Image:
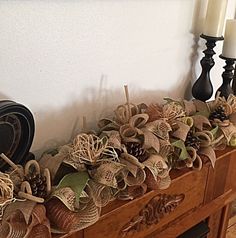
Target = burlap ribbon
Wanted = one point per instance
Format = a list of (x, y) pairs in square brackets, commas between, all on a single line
[(100, 193), (201, 106), (25, 220), (114, 138), (75, 216), (228, 131), (181, 130), (201, 122), (107, 173), (132, 173), (160, 128), (157, 172), (108, 125), (189, 107)]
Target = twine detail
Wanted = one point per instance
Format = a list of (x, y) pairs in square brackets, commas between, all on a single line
[(6, 192), (90, 149)]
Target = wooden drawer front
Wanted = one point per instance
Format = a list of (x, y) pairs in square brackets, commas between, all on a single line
[(222, 178), (155, 209), (231, 176)]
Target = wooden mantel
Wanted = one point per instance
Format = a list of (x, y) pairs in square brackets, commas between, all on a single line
[(192, 197)]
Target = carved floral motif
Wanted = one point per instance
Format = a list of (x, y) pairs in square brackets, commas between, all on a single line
[(158, 207)]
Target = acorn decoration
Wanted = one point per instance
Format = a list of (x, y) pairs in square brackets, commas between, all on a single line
[(192, 140), (218, 113), (135, 149)]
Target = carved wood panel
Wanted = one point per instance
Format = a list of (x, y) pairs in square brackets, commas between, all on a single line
[(158, 207)]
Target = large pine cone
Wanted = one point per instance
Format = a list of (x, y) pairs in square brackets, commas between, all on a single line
[(218, 113), (137, 151)]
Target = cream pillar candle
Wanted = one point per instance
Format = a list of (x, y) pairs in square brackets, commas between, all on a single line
[(215, 18), (199, 16), (229, 46)]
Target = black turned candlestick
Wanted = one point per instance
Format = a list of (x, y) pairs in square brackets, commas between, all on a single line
[(225, 88), (234, 82), (202, 88)]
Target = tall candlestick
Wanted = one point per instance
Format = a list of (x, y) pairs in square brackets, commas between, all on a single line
[(215, 18), (229, 46), (202, 88)]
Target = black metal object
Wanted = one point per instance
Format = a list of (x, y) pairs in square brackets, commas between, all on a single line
[(16, 132), (199, 231), (202, 88), (225, 89)]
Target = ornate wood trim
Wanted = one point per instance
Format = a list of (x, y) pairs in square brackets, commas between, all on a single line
[(158, 207)]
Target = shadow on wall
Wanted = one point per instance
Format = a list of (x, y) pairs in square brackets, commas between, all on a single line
[(4, 97), (199, 14), (58, 127)]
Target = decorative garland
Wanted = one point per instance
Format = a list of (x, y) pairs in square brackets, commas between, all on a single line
[(130, 153)]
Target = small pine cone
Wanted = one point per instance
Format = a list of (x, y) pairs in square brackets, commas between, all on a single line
[(192, 140), (137, 151), (38, 184), (218, 113)]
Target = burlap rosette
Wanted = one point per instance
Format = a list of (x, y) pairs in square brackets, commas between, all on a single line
[(133, 172), (169, 112), (160, 128), (180, 130), (188, 154), (100, 193), (107, 174), (226, 134), (67, 214), (25, 220), (157, 172)]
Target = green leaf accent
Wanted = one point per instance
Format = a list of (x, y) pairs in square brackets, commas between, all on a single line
[(76, 181), (214, 131), (184, 153), (232, 141)]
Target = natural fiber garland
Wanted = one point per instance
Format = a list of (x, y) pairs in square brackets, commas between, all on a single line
[(131, 152)]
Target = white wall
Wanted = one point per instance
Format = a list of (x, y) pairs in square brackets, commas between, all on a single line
[(65, 59)]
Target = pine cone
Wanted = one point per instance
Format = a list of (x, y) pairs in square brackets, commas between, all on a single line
[(38, 184), (192, 140), (218, 113), (137, 151)]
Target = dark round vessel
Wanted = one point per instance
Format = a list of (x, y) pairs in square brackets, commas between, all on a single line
[(16, 132)]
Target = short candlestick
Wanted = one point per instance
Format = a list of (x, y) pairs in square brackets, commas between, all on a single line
[(202, 88), (225, 89)]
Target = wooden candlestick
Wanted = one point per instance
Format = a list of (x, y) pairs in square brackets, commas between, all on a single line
[(225, 89), (202, 88)]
